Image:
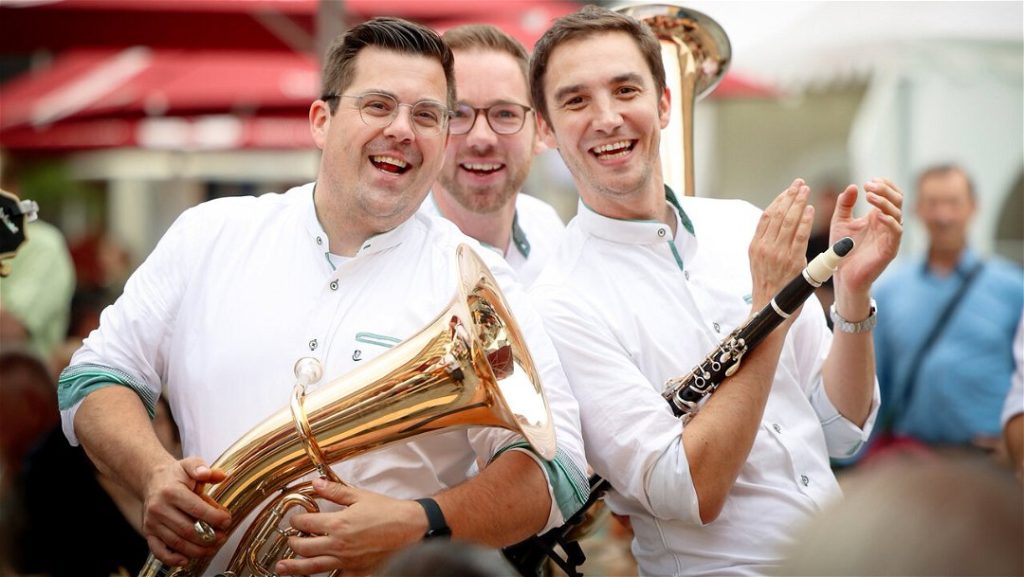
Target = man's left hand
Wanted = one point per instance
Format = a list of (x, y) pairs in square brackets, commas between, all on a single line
[(876, 234), (357, 538)]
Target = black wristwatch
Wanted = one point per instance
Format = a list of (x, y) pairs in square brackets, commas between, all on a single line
[(437, 526)]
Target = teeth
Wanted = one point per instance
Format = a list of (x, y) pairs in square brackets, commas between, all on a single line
[(389, 160), (481, 167), (615, 146)]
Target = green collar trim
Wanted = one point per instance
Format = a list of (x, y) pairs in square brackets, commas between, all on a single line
[(519, 237), (671, 198)]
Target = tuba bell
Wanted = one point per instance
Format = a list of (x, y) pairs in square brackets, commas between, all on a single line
[(469, 367), (696, 53)]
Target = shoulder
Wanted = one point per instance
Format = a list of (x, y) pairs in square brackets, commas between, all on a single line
[(719, 214), (1005, 269), (567, 271), (1004, 280), (248, 213), (442, 238), (536, 208), (248, 206), (897, 279), (429, 206), (719, 206), (43, 240)]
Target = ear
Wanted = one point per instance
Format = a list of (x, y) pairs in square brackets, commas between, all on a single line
[(537, 144), (546, 134), (319, 122), (664, 107)]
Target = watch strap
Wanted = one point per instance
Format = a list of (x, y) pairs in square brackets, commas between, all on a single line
[(845, 326), (437, 526)]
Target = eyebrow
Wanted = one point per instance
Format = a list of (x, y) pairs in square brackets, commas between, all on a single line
[(620, 79), (399, 100), (495, 102)]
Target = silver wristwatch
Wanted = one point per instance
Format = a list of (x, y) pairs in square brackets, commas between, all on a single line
[(842, 325)]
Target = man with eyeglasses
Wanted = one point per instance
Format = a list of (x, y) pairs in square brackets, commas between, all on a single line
[(493, 142), (340, 270)]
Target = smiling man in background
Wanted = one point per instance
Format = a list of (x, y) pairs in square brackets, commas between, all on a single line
[(493, 142)]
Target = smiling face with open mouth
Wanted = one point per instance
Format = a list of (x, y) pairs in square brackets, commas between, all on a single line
[(373, 178), (606, 118), (483, 170)]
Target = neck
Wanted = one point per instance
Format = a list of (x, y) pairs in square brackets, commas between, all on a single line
[(344, 238), (944, 260), (493, 228), (646, 204)]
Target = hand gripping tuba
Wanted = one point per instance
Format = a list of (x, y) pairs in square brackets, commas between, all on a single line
[(696, 53), (469, 367)]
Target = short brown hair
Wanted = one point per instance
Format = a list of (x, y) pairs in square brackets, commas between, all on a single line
[(589, 21), (488, 37), (944, 169), (390, 34)]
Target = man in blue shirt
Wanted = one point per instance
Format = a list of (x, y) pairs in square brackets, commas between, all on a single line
[(956, 393)]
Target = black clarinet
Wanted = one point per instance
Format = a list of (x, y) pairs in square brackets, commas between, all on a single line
[(684, 395)]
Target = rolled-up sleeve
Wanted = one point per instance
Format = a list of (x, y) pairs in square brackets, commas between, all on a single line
[(843, 437), (632, 438), (129, 347), (566, 472)]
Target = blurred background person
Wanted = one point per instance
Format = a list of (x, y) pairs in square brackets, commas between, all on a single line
[(944, 344), (824, 205), (35, 298), (492, 145), (913, 516), (52, 495), (1013, 408)]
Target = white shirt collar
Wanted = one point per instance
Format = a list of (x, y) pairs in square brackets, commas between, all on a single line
[(373, 245)]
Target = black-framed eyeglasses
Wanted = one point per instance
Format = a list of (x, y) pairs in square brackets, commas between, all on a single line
[(429, 117), (503, 118)]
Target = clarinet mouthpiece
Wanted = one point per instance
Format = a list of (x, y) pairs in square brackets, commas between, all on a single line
[(843, 246), (821, 268)]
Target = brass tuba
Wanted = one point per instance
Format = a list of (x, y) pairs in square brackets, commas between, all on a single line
[(469, 367), (696, 53)]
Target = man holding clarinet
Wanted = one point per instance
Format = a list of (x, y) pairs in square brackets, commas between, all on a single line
[(646, 284)]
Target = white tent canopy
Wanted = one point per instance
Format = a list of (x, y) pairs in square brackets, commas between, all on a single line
[(945, 84)]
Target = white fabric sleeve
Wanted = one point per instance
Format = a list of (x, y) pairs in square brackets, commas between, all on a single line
[(132, 336), (566, 473), (813, 343), (632, 438)]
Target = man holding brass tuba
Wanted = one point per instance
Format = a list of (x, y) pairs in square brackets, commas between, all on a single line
[(339, 270), (646, 284)]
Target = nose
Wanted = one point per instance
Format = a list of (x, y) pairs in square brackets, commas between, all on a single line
[(606, 114), (401, 125), (480, 135)]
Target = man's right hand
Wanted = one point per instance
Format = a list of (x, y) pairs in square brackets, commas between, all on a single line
[(778, 250), (171, 507)]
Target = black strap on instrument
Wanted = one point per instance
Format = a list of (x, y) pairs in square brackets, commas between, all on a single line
[(528, 556), (940, 325)]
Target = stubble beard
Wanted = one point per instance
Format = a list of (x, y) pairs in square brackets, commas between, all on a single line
[(632, 186), (485, 200)]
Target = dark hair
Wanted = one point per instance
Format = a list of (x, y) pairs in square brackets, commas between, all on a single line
[(390, 34), (488, 37), (589, 21), (944, 169)]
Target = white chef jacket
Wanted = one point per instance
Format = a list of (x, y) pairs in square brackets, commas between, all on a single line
[(240, 288), (629, 307), (536, 231)]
